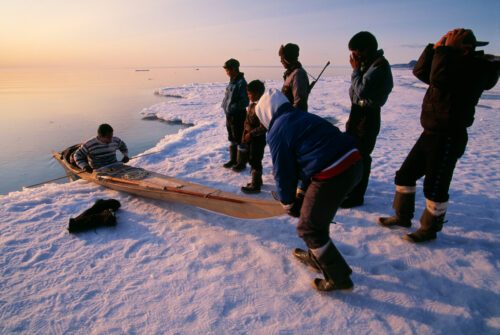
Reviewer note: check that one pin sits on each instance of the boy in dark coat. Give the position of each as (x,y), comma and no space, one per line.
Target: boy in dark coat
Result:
(296,85)
(234,105)
(457,75)
(371,83)
(254,137)
(308,148)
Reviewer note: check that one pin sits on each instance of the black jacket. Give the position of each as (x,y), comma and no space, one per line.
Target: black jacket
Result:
(456,83)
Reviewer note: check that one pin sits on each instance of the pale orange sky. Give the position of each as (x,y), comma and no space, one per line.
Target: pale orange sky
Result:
(129,33)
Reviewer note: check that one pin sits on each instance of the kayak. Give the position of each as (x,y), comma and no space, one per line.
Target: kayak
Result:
(144,183)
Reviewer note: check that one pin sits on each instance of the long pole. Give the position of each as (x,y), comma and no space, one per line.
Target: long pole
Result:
(66,176)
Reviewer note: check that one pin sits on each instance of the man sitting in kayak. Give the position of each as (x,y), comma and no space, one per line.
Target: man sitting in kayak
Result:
(100,151)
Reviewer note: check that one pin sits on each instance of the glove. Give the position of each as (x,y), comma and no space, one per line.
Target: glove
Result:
(288,208)
(88,169)
(295,209)
(125,159)
(292,209)
(299,200)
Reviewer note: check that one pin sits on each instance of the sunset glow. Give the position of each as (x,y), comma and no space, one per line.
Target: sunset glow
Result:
(179,33)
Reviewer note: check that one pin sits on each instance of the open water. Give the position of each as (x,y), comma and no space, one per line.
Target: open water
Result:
(49,109)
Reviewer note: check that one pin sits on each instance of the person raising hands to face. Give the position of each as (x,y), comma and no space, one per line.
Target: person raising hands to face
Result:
(461,39)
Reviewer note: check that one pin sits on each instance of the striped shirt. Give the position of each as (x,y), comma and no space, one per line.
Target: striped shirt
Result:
(98,154)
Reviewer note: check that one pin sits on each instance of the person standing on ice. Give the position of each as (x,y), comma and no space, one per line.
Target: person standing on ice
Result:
(254,137)
(101,150)
(234,105)
(296,85)
(371,83)
(457,75)
(306,147)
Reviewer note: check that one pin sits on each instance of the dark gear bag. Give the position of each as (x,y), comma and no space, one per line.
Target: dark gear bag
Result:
(102,213)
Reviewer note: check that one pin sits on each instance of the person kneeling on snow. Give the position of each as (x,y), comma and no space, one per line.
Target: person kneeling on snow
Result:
(308,148)
(254,137)
(100,151)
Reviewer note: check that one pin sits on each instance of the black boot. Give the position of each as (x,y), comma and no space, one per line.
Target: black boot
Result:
(232,156)
(335,269)
(307,258)
(404,207)
(429,226)
(254,186)
(241,159)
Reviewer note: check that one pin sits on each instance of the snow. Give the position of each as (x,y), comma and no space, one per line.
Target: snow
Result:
(168,268)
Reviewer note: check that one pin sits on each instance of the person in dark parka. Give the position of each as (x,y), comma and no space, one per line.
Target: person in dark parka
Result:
(308,148)
(457,75)
(296,83)
(371,83)
(234,105)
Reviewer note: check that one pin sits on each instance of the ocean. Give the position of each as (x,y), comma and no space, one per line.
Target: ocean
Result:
(50,109)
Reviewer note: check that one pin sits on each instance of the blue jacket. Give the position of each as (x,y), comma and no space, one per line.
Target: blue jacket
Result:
(236,98)
(371,86)
(302,144)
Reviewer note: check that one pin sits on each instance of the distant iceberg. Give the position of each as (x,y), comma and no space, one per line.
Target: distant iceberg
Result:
(410,65)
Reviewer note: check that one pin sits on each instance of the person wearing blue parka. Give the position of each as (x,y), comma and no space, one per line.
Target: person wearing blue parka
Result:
(308,148)
(234,105)
(371,83)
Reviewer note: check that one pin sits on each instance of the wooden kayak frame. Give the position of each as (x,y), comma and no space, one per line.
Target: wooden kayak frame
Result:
(201,196)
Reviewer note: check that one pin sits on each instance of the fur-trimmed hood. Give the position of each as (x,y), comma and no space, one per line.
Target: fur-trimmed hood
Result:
(268,104)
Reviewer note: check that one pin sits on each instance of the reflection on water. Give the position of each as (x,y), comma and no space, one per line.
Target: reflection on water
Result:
(50,109)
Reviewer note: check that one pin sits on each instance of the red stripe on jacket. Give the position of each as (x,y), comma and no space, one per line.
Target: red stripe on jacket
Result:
(338,166)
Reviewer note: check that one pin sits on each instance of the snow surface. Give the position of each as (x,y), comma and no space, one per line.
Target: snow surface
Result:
(173,269)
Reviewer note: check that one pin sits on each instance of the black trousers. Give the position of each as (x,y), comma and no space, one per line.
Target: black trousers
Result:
(234,125)
(364,126)
(256,152)
(434,156)
(321,201)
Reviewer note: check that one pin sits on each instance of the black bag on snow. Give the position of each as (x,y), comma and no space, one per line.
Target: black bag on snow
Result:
(102,213)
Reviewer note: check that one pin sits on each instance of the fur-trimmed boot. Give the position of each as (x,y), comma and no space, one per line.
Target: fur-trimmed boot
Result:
(255,185)
(232,156)
(404,208)
(431,222)
(241,159)
(334,267)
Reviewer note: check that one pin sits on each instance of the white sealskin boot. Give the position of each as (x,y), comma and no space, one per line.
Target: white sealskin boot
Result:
(334,267)
(404,208)
(431,222)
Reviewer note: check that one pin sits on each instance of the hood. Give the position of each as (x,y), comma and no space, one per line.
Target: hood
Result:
(237,77)
(377,60)
(268,104)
